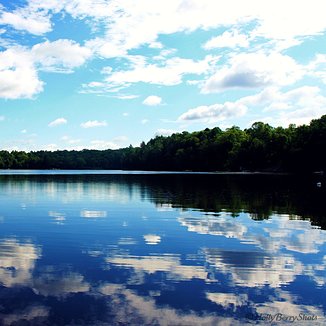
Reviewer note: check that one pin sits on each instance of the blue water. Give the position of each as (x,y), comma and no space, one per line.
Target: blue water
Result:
(118,248)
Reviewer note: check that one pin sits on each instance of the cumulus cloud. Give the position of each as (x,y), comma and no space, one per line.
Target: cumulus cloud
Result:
(102,144)
(299,105)
(50,147)
(60,55)
(167,72)
(254,70)
(228,39)
(18,66)
(126,97)
(215,112)
(25,19)
(147,20)
(93,124)
(317,67)
(18,76)
(165,132)
(152,100)
(155,45)
(57,122)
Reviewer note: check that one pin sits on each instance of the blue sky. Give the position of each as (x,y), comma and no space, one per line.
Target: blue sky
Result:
(105,74)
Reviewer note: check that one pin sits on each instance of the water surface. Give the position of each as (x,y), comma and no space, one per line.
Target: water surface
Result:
(87,248)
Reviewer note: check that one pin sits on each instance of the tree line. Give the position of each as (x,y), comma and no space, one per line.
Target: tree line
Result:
(258,148)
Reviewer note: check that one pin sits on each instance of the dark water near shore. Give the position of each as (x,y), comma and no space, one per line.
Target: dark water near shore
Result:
(161,249)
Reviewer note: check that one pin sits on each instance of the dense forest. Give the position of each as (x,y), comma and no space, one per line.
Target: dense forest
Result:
(258,148)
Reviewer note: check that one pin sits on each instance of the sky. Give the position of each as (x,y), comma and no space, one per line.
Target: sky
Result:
(98,74)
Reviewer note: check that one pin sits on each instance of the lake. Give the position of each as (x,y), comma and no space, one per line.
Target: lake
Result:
(135,248)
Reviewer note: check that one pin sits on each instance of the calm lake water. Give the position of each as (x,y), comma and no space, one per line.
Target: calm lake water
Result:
(87,248)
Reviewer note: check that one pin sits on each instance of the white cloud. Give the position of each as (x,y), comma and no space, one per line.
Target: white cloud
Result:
(274,20)
(152,100)
(167,72)
(35,22)
(18,76)
(18,66)
(253,70)
(215,112)
(50,147)
(93,124)
(105,48)
(126,97)
(144,121)
(155,45)
(228,39)
(60,55)
(298,106)
(164,54)
(57,122)
(317,67)
(297,117)
(147,20)
(165,132)
(102,145)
